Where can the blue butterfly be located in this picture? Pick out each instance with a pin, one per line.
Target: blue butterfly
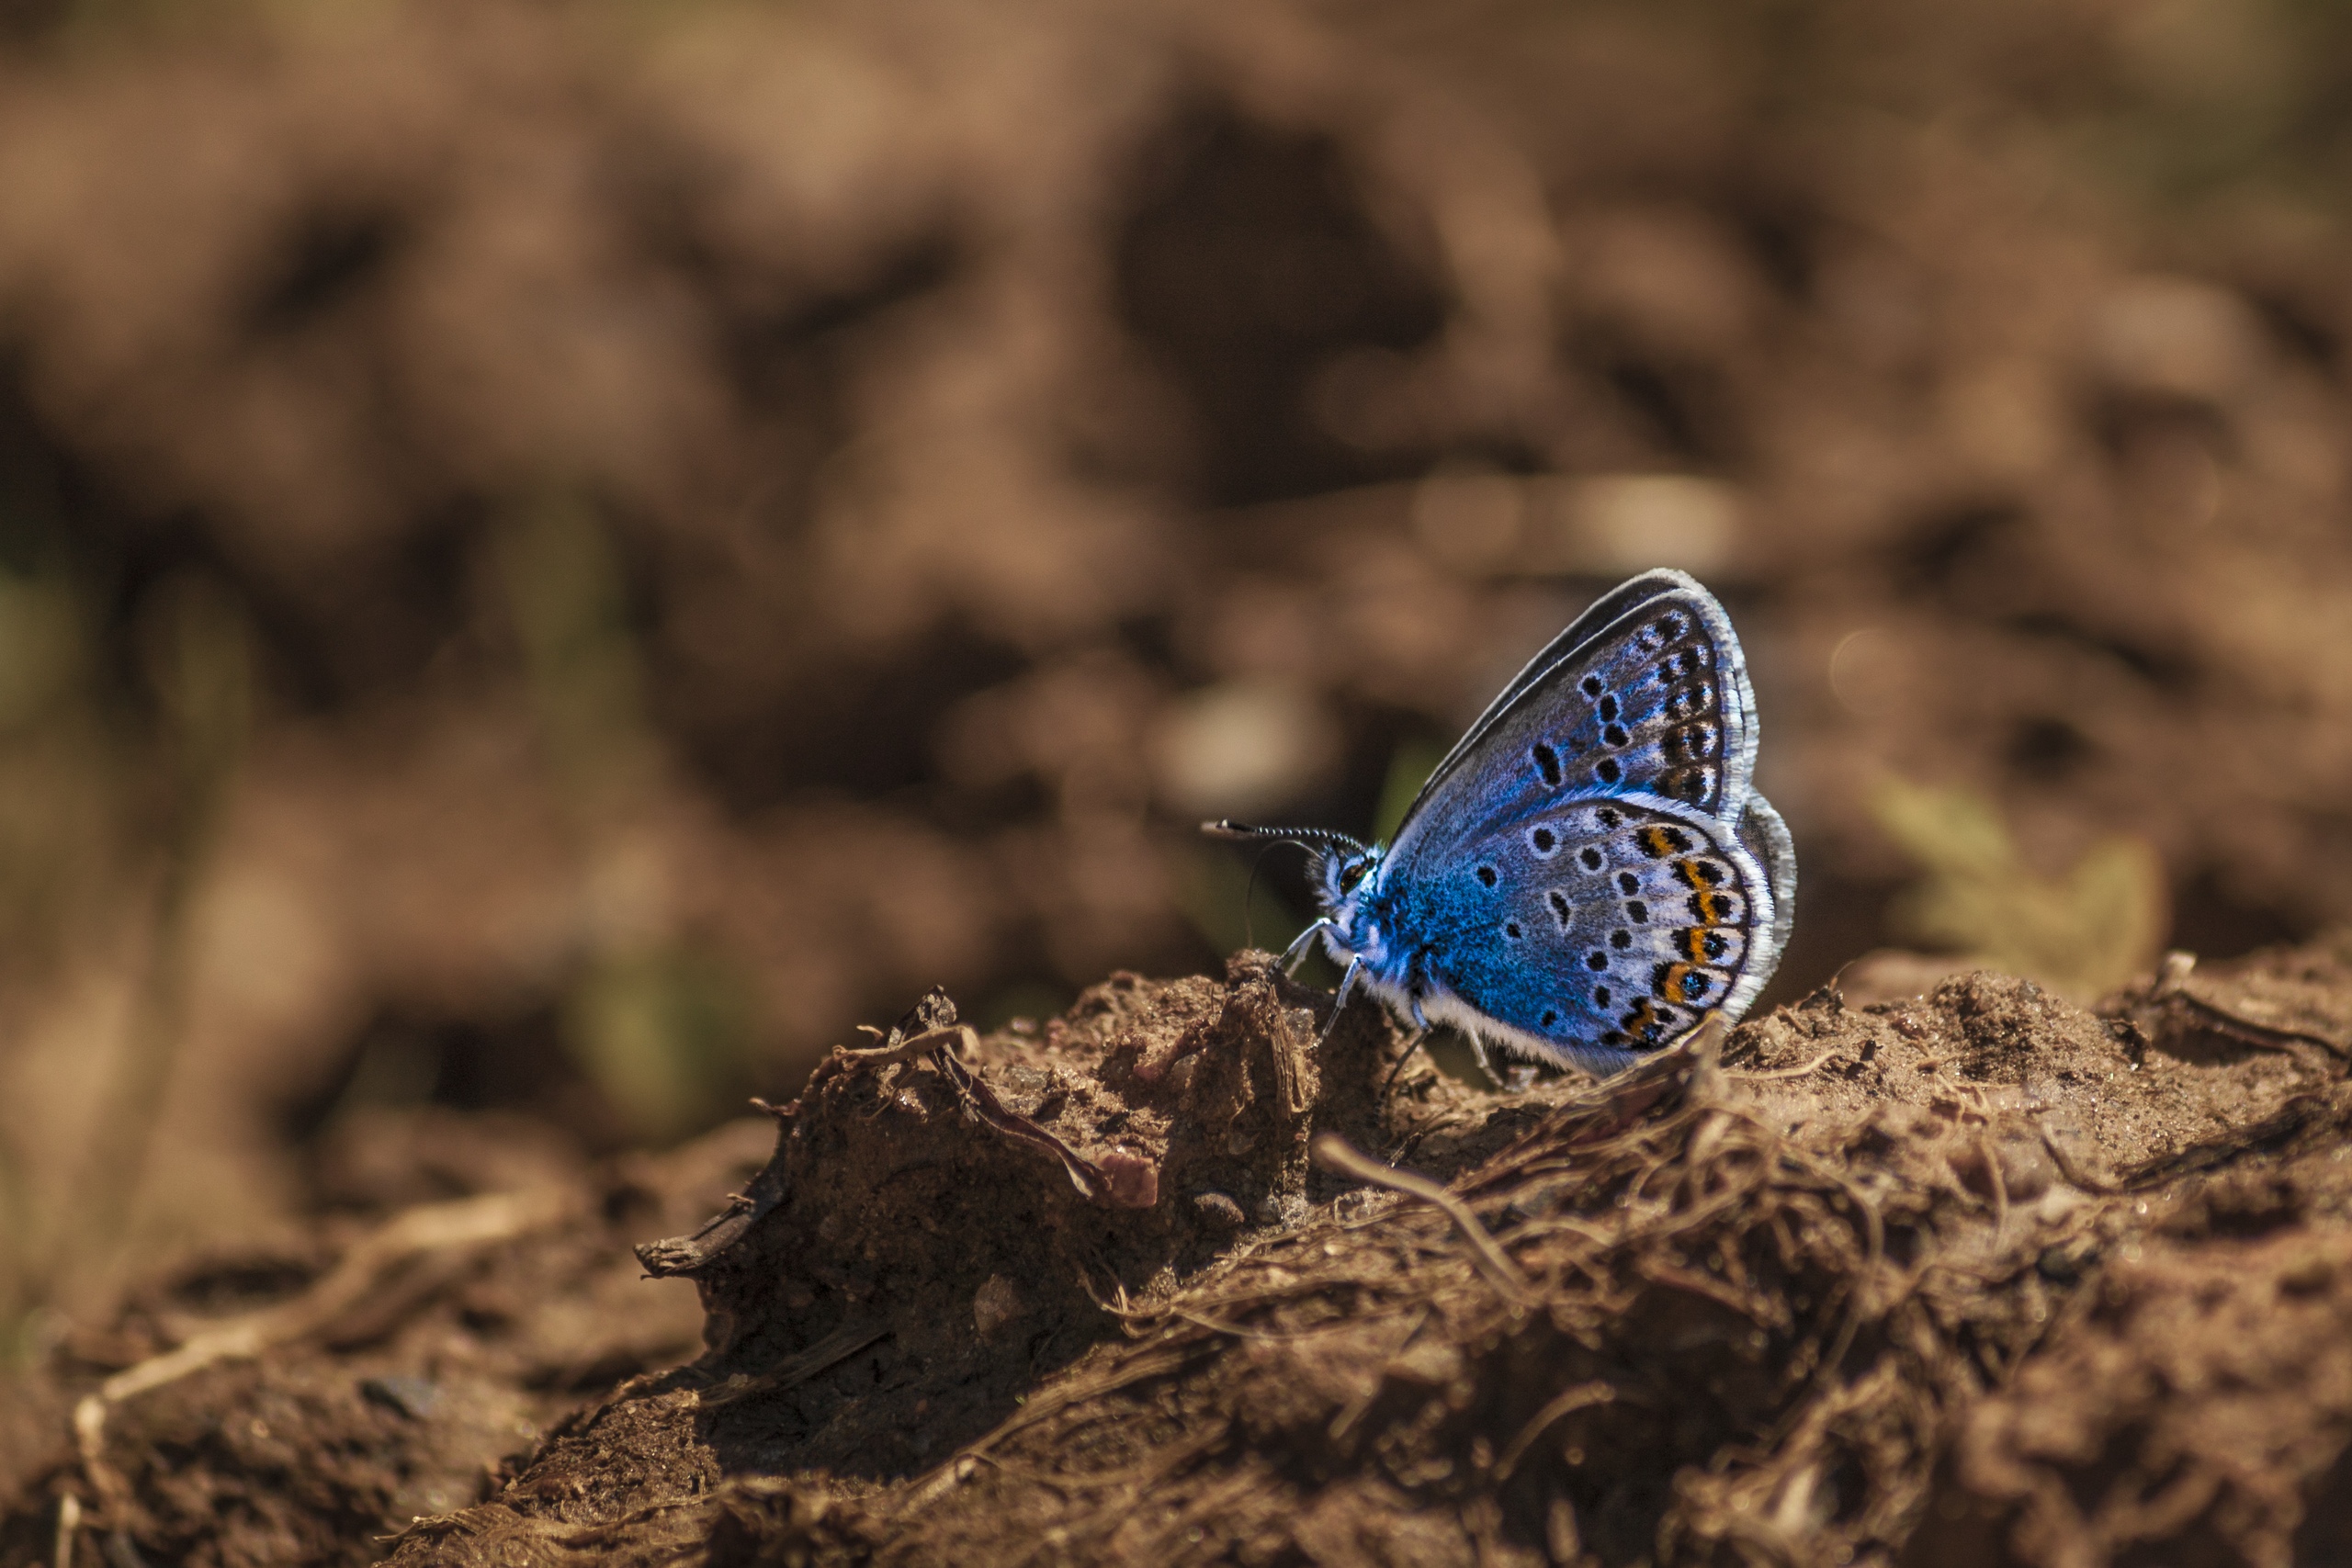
(1588, 874)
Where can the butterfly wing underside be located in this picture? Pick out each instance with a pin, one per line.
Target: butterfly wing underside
(1594, 931)
(1599, 614)
(1766, 838)
(1653, 700)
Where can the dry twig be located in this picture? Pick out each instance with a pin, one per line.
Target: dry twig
(1335, 1154)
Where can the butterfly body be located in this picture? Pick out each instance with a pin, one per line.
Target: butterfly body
(1588, 873)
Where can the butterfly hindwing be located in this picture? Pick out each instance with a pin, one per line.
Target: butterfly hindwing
(1767, 838)
(1654, 702)
(1594, 931)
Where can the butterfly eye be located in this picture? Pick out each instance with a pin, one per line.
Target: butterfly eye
(1351, 873)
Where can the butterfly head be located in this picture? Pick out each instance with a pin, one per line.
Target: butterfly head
(1343, 867)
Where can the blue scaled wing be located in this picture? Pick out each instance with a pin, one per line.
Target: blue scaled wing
(1591, 931)
(1645, 694)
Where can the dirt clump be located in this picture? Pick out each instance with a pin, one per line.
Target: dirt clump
(1975, 1276)
(2197, 1403)
(939, 1231)
(297, 1401)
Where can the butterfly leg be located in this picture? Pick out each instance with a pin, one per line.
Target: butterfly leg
(1340, 1000)
(1512, 1078)
(1478, 1054)
(1411, 1046)
(1302, 946)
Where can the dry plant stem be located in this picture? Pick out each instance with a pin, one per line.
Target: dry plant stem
(687, 1254)
(1689, 1064)
(69, 1525)
(1357, 1409)
(2169, 996)
(2245, 1029)
(1334, 1153)
(1804, 1070)
(420, 1232)
(939, 1045)
(794, 1371)
(1167, 1358)
(119, 1155)
(1090, 1179)
(554, 1533)
(206, 687)
(954, 1034)
(1577, 1396)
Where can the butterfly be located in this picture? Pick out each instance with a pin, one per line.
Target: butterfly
(1589, 872)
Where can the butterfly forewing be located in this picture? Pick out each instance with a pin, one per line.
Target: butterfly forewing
(1654, 703)
(1597, 615)
(1597, 930)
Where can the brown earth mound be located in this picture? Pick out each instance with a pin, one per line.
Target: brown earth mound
(1977, 1277)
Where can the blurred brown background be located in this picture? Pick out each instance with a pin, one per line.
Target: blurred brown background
(556, 556)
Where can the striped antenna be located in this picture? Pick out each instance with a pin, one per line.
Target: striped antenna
(1322, 839)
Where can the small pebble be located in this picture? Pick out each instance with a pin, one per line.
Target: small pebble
(412, 1397)
(1218, 1209)
(996, 1304)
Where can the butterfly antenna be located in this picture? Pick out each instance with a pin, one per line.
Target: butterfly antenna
(1324, 839)
(1317, 841)
(1249, 897)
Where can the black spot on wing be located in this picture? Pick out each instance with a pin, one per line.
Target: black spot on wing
(1711, 908)
(1661, 840)
(1685, 702)
(1695, 872)
(1691, 743)
(1670, 627)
